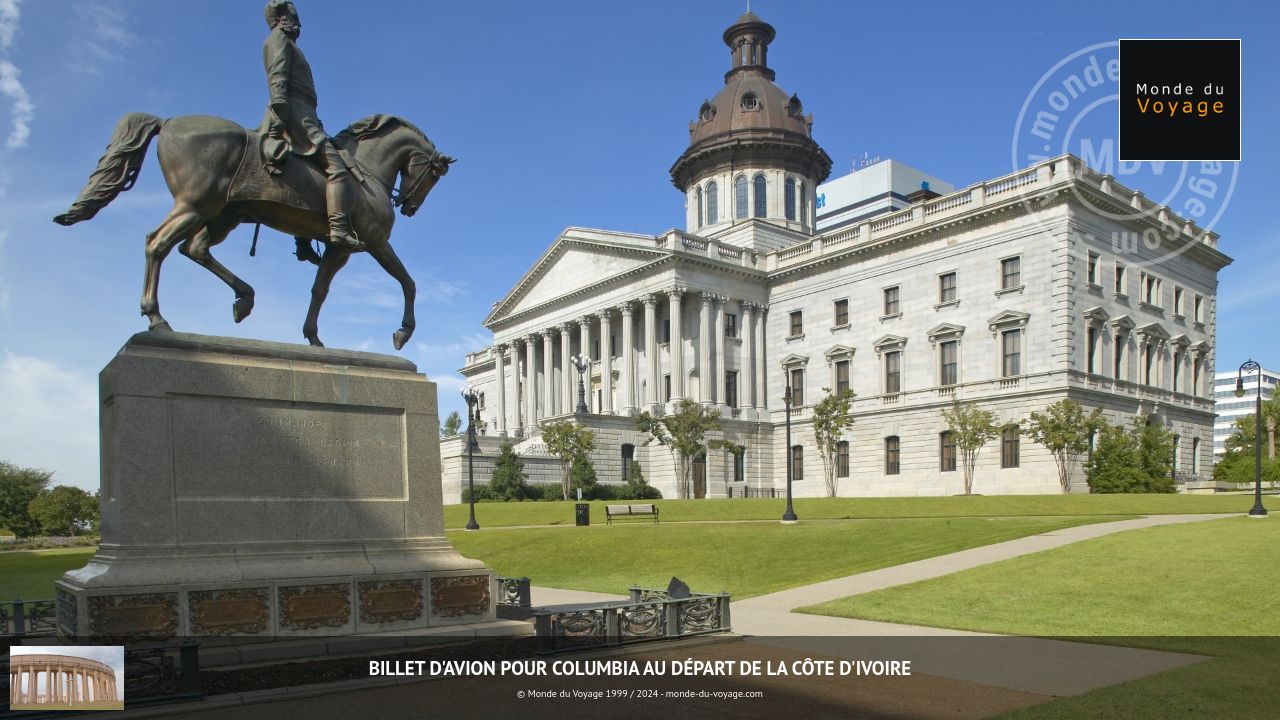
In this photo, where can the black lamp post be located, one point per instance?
(790, 515)
(582, 364)
(472, 399)
(1249, 365)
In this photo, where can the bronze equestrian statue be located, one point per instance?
(221, 175)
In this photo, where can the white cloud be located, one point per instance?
(22, 111)
(9, 14)
(49, 419)
(105, 39)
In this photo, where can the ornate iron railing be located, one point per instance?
(512, 597)
(20, 618)
(650, 615)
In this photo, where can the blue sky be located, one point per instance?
(561, 113)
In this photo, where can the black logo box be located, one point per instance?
(1186, 68)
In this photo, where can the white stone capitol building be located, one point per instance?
(1007, 292)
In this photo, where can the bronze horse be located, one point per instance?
(201, 156)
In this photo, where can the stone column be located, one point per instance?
(606, 361)
(530, 384)
(762, 388)
(747, 362)
(548, 387)
(721, 400)
(676, 346)
(651, 353)
(584, 349)
(704, 350)
(499, 369)
(628, 359)
(566, 372)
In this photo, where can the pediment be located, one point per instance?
(1009, 317)
(1180, 340)
(570, 265)
(794, 359)
(888, 341)
(1097, 313)
(946, 329)
(1154, 330)
(838, 351)
(1123, 322)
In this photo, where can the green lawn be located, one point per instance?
(29, 574)
(746, 559)
(1176, 587)
(561, 513)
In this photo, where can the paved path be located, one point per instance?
(1034, 665)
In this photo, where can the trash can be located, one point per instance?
(582, 514)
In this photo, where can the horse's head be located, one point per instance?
(420, 173)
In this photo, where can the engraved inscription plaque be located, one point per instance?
(155, 615)
(390, 601)
(227, 612)
(261, 450)
(458, 596)
(313, 606)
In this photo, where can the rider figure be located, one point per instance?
(293, 117)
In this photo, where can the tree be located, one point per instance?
(569, 442)
(970, 428)
(452, 425)
(583, 476)
(1064, 430)
(508, 479)
(18, 487)
(1133, 460)
(684, 434)
(831, 418)
(64, 510)
(636, 488)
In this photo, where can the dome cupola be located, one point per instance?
(751, 152)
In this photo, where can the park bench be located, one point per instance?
(612, 511)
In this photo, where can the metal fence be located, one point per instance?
(162, 673)
(650, 615)
(21, 618)
(750, 492)
(512, 597)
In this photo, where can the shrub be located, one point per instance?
(1137, 460)
(508, 480)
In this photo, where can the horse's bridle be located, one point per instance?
(404, 194)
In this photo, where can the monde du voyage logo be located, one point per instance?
(1180, 100)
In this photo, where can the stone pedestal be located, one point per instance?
(259, 489)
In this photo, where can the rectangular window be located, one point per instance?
(842, 312)
(948, 355)
(1177, 301)
(739, 466)
(595, 349)
(892, 372)
(946, 452)
(666, 330)
(1010, 273)
(947, 287)
(1195, 376)
(891, 455)
(1093, 268)
(1091, 351)
(1197, 304)
(891, 301)
(797, 323)
(666, 388)
(797, 387)
(730, 325)
(1148, 363)
(1009, 448)
(797, 462)
(842, 459)
(1011, 351)
(842, 375)
(1149, 292)
(1120, 280)
(1118, 365)
(1177, 371)
(731, 388)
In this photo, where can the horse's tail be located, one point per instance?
(117, 169)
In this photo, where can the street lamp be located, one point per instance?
(472, 399)
(1249, 365)
(582, 364)
(790, 515)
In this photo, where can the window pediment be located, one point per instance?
(794, 360)
(1122, 324)
(945, 331)
(1180, 341)
(1153, 331)
(839, 352)
(1096, 315)
(1008, 320)
(887, 343)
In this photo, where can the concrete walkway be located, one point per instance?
(1034, 665)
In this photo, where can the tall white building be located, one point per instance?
(1229, 408)
(904, 289)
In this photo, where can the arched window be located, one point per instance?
(892, 456)
(628, 456)
(789, 198)
(740, 198)
(713, 203)
(697, 193)
(842, 459)
(761, 206)
(804, 204)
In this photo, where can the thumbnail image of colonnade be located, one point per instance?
(61, 679)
